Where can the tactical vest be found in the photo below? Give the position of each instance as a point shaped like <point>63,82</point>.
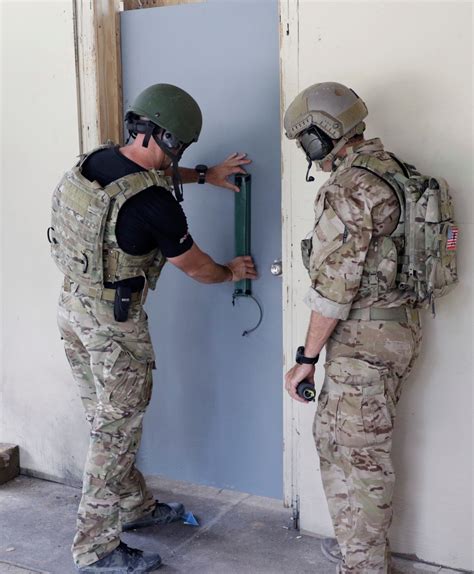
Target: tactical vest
<point>419,256</point>
<point>83,222</point>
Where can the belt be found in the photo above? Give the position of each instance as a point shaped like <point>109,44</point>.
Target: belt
<point>399,314</point>
<point>103,294</point>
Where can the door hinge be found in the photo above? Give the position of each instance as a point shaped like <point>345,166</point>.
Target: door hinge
<point>295,516</point>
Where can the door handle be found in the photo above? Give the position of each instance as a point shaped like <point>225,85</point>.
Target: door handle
<point>277,268</point>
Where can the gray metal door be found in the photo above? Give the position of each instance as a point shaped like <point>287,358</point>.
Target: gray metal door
<point>216,414</point>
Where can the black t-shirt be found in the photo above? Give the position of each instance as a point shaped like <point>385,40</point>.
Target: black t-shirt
<point>152,218</point>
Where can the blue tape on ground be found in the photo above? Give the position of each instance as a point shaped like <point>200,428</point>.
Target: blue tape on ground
<point>190,519</point>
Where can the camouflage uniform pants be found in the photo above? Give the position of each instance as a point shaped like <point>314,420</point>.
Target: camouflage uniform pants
<point>367,364</point>
<point>112,364</point>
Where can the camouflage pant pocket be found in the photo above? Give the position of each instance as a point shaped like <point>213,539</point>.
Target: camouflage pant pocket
<point>362,416</point>
<point>127,378</point>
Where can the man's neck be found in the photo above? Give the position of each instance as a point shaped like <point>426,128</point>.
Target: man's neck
<point>350,145</point>
<point>140,156</point>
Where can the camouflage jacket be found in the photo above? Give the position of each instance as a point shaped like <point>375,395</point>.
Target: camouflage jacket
<point>353,262</point>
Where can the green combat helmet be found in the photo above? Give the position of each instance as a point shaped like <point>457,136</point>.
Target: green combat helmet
<point>323,118</point>
<point>171,117</point>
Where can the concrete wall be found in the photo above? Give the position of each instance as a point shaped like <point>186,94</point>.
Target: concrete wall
<point>39,407</point>
<point>412,64</point>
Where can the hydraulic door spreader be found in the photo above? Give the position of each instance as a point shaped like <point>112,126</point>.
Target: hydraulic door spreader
<point>242,216</point>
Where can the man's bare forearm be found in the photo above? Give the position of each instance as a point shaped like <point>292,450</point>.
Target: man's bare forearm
<point>319,331</point>
<point>187,174</point>
<point>211,272</point>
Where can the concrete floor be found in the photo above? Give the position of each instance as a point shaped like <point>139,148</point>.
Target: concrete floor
<point>239,533</point>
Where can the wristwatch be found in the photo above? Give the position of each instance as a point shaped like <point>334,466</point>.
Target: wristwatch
<point>302,360</point>
<point>201,170</point>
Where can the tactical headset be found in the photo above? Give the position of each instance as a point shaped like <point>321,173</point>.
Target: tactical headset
<point>316,145</point>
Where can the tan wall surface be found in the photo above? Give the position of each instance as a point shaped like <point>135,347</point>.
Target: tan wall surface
<point>39,406</point>
<point>412,64</point>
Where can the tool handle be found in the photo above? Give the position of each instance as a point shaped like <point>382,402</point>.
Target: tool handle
<point>306,391</point>
<point>242,226</point>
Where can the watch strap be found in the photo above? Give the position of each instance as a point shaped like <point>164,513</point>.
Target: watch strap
<point>201,170</point>
<point>303,360</point>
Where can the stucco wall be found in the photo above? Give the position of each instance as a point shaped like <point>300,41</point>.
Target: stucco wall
<point>39,407</point>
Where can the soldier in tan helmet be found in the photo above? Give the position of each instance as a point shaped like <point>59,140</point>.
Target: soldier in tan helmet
<point>361,313</point>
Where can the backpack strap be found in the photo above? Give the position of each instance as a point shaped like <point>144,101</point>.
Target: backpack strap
<point>394,180</point>
<point>408,169</point>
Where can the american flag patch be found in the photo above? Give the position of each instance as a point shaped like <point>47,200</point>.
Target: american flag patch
<point>452,239</point>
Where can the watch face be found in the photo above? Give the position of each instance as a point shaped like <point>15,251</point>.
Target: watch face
<point>201,168</point>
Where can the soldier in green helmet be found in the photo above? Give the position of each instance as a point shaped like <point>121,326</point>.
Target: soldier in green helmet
<point>116,220</point>
<point>383,244</point>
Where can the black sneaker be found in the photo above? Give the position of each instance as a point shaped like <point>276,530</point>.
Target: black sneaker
<point>162,514</point>
<point>330,549</point>
<point>124,560</point>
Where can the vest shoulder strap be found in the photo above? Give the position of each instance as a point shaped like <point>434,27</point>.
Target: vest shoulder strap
<point>131,184</point>
<point>128,185</point>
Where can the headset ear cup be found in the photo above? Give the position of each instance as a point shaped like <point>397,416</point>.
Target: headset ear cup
<point>327,144</point>
<point>316,144</point>
<point>315,150</point>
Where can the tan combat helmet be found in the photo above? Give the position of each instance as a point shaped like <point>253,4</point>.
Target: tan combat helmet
<point>323,113</point>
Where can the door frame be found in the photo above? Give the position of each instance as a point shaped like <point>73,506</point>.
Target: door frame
<point>289,78</point>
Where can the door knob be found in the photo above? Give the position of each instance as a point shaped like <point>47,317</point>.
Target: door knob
<point>277,268</point>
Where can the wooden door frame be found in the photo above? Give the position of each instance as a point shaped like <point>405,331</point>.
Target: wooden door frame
<point>99,66</point>
<point>289,78</point>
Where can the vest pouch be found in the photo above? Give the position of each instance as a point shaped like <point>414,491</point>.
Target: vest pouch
<point>79,212</point>
<point>154,271</point>
<point>380,267</point>
<point>440,240</point>
<point>441,267</point>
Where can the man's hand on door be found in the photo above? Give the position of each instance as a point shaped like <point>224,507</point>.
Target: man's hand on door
<point>217,175</point>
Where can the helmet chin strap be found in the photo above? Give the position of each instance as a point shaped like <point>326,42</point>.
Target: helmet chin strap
<point>177,182</point>
<point>150,131</point>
